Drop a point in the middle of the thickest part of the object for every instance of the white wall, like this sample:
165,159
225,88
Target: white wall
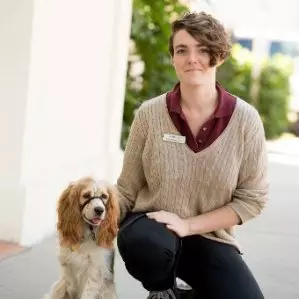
15,35
74,104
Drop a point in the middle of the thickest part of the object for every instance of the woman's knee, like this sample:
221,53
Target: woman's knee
146,244
146,253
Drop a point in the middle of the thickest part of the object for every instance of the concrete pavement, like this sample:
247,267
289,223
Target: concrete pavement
30,275
270,243
286,145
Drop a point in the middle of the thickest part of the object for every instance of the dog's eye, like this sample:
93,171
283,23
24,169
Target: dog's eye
86,195
104,196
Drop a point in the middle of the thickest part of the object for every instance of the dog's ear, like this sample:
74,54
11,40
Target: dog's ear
69,224
109,228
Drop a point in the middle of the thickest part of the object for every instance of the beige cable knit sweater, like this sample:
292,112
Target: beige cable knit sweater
168,175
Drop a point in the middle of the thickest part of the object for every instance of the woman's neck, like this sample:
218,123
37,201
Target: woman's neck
199,98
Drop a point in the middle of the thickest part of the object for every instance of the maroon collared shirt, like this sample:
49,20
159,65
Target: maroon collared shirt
210,130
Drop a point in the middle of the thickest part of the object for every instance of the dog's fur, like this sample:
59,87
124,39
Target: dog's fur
86,255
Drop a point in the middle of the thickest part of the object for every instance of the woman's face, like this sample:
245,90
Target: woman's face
191,60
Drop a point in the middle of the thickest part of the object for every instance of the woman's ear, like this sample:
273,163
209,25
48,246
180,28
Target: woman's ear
69,226
172,62
220,62
109,228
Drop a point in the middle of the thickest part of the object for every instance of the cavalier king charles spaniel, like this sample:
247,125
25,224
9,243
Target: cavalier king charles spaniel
88,215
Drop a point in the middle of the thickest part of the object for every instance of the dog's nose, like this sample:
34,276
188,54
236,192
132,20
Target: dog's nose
98,210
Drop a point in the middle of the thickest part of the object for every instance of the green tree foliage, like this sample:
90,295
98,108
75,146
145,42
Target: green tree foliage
235,73
273,87
274,95
150,72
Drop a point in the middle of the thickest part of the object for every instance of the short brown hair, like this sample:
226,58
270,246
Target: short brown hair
208,31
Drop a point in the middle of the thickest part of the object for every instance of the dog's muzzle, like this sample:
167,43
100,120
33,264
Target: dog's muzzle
89,200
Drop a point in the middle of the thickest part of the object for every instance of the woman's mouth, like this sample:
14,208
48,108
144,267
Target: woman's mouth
192,70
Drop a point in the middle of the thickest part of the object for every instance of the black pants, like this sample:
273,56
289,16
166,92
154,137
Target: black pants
155,256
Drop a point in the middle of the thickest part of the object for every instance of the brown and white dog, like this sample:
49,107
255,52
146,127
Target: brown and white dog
88,214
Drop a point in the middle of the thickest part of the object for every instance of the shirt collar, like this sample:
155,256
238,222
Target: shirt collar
175,99
224,107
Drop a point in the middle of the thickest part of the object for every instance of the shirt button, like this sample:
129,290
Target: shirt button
200,141
204,128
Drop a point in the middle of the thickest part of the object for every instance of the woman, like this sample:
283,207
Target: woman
195,166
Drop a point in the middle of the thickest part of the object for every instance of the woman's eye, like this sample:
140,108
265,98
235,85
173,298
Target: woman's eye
180,51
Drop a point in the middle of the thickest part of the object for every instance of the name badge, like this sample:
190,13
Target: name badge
174,138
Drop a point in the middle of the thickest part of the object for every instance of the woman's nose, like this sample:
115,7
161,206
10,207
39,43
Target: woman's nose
192,57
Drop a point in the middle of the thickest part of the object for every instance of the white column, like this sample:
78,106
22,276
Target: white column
73,114
15,38
117,89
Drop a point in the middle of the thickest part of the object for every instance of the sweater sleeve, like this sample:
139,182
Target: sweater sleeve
251,193
132,178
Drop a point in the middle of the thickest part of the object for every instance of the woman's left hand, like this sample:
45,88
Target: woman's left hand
172,221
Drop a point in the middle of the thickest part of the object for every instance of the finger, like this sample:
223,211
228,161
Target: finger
152,215
157,215
162,220
171,227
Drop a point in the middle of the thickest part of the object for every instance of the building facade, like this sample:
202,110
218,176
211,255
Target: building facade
62,85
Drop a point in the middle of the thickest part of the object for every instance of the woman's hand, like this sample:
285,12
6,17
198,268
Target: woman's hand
172,221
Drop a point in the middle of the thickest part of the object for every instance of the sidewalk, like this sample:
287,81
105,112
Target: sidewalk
30,274
284,151
284,146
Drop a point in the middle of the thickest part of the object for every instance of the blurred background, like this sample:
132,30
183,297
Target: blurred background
263,68
72,74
